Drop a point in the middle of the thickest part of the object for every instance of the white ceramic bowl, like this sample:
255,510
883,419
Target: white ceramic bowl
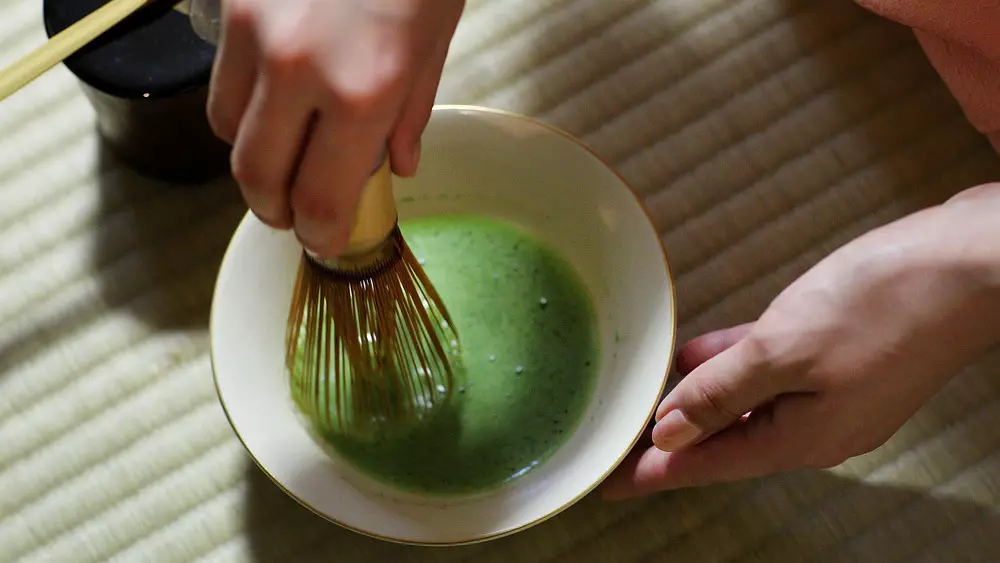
481,161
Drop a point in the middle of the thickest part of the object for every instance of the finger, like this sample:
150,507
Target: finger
627,465
234,71
404,144
699,350
270,137
646,439
337,161
715,395
767,442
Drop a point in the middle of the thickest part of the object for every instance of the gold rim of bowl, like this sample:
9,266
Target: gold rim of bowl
587,490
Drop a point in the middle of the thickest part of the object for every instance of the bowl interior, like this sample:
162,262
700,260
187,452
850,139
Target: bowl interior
473,161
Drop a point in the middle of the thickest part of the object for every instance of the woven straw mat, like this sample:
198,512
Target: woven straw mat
762,134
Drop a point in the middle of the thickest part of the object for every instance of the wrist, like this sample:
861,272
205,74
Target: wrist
979,310
938,272
966,243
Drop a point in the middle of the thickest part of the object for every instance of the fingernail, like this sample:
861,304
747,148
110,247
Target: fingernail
311,234
674,431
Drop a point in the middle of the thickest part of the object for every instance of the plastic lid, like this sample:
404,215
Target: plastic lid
155,53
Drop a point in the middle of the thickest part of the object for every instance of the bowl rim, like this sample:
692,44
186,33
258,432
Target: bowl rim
586,490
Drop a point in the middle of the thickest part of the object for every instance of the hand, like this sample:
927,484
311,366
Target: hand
311,92
838,361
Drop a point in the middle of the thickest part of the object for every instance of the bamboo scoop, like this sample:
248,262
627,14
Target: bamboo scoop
65,43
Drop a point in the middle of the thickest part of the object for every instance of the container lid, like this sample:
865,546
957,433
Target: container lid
155,53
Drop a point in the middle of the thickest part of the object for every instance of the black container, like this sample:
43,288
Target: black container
147,79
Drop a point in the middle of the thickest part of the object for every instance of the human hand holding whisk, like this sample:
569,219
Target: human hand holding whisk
322,102
366,71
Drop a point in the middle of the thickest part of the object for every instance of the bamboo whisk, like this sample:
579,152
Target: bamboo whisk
370,347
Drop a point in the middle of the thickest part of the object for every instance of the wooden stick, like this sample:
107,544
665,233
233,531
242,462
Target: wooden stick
65,43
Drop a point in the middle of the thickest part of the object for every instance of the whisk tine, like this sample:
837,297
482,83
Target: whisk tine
368,349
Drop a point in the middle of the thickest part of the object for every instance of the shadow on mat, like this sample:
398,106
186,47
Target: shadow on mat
882,523
158,246
156,252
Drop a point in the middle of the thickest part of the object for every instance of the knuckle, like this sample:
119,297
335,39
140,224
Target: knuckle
712,408
316,205
778,356
760,351
247,172
360,92
288,54
357,102
356,105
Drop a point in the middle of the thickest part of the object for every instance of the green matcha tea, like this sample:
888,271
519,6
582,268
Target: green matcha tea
529,356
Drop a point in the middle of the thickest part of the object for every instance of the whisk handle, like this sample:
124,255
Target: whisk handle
376,214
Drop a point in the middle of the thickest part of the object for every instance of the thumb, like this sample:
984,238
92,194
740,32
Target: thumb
718,393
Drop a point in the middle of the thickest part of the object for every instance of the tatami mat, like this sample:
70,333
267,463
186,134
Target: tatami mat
761,133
